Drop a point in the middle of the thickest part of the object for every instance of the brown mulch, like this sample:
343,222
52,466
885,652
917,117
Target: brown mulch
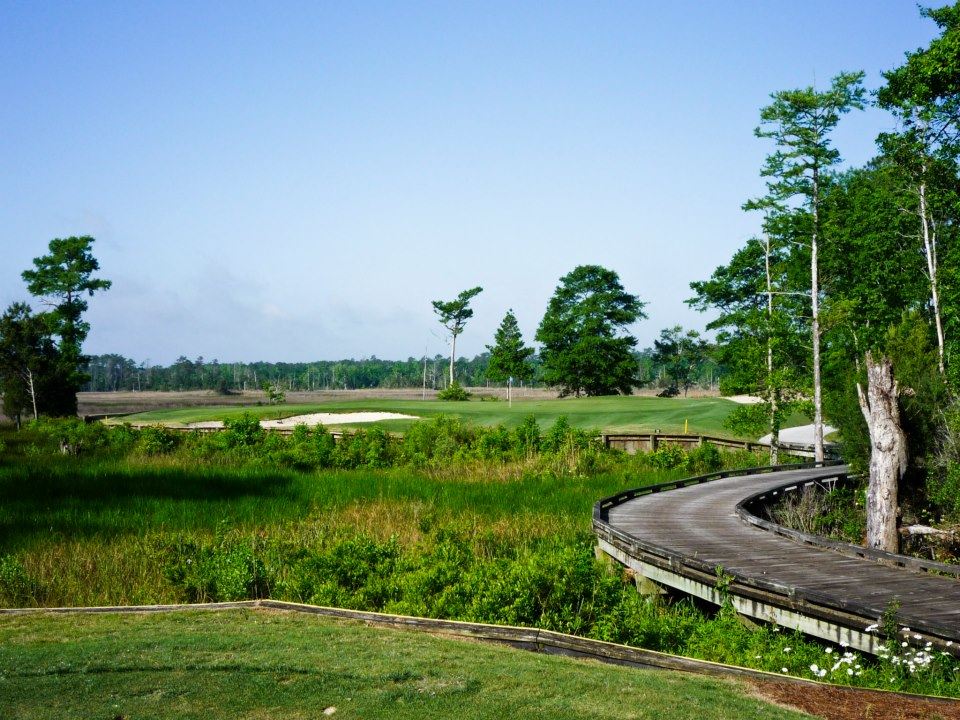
836,703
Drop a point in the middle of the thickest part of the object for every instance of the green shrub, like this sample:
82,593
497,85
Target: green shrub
230,568
373,448
527,435
72,436
357,572
496,443
943,489
668,456
122,438
439,438
454,391
306,449
157,440
243,431
557,435
704,458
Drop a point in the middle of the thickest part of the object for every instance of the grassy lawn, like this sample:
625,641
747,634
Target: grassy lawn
641,414
263,664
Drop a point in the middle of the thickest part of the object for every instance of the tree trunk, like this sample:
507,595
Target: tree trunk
33,392
815,313
888,452
930,252
772,391
453,355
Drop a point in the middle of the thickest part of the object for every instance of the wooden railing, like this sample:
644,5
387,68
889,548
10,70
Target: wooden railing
601,509
748,508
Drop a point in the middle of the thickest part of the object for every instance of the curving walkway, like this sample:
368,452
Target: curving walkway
680,536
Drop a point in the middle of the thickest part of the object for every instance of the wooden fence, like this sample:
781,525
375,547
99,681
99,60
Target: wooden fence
633,443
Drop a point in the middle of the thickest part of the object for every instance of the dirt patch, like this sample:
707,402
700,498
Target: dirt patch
836,703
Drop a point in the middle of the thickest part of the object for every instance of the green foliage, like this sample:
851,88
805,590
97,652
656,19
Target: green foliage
73,436
750,421
372,448
243,431
229,568
19,589
459,544
527,435
668,456
158,440
454,392
680,354
30,366
943,482
65,276
453,315
275,394
582,351
509,357
799,122
560,435
704,458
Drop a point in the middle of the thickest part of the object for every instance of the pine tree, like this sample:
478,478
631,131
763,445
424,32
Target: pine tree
508,355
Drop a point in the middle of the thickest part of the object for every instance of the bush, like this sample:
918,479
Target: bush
440,438
243,431
373,448
453,392
72,435
527,435
668,456
557,435
943,489
496,443
705,458
228,569
157,440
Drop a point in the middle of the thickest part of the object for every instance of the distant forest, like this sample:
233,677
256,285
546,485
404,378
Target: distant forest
116,372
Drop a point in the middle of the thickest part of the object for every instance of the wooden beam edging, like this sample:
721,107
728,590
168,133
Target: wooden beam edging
532,639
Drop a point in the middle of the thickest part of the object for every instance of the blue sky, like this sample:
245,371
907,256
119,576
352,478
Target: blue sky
297,181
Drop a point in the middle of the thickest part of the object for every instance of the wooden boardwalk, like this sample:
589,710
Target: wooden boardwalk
680,537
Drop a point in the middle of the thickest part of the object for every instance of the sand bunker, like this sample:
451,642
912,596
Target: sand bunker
317,419
799,434
744,399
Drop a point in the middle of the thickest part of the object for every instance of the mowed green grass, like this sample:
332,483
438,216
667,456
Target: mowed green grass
608,414
267,664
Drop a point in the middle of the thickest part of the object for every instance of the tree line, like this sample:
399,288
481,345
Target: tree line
585,348
849,298
114,372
